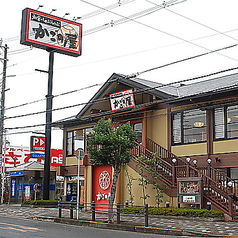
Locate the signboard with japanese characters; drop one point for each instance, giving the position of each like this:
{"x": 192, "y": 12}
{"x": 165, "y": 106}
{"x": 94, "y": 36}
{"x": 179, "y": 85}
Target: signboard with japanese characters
{"x": 16, "y": 155}
{"x": 122, "y": 100}
{"x": 190, "y": 190}
{"x": 13, "y": 188}
{"x": 102, "y": 182}
{"x": 49, "y": 32}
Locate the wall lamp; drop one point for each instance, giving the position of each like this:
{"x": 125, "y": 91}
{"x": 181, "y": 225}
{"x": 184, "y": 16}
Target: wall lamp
{"x": 195, "y": 162}
{"x": 188, "y": 160}
{"x": 217, "y": 160}
{"x": 230, "y": 184}
{"x": 209, "y": 161}
{"x": 174, "y": 160}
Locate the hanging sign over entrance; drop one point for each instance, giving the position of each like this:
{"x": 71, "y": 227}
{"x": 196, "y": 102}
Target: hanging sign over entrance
{"x": 46, "y": 31}
{"x": 122, "y": 100}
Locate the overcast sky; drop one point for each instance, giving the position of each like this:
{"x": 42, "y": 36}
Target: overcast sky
{"x": 152, "y": 39}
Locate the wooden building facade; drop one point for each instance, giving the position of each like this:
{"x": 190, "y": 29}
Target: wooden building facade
{"x": 191, "y": 127}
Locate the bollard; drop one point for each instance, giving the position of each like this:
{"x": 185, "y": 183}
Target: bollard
{"x": 146, "y": 216}
{"x": 60, "y": 212}
{"x": 118, "y": 213}
{"x": 93, "y": 211}
{"x": 71, "y": 211}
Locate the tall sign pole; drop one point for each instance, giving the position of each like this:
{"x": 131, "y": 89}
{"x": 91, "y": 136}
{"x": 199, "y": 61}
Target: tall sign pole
{"x": 54, "y": 34}
{"x": 49, "y": 103}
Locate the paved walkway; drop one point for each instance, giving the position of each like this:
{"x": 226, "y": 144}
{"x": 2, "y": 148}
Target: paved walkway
{"x": 203, "y": 227}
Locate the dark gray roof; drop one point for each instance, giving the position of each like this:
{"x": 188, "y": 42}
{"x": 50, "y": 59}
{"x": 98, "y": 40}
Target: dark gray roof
{"x": 169, "y": 92}
{"x": 185, "y": 90}
{"x": 33, "y": 165}
{"x": 211, "y": 85}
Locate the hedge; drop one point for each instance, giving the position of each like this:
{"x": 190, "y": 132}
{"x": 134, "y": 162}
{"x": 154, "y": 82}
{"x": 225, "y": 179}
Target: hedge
{"x": 41, "y": 202}
{"x": 174, "y": 211}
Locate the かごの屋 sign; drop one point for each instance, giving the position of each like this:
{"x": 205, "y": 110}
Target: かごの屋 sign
{"x": 122, "y": 100}
{"x": 46, "y": 31}
{"x": 102, "y": 183}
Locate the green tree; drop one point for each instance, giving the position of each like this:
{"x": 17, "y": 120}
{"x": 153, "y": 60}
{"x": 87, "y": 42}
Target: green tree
{"x": 111, "y": 146}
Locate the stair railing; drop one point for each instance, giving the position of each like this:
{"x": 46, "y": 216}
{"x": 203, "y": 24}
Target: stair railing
{"x": 211, "y": 172}
{"x": 216, "y": 187}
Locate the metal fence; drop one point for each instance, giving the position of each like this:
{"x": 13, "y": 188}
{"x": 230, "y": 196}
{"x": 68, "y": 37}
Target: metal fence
{"x": 97, "y": 212}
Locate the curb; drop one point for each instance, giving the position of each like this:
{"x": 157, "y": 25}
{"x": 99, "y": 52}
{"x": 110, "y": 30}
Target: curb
{"x": 125, "y": 227}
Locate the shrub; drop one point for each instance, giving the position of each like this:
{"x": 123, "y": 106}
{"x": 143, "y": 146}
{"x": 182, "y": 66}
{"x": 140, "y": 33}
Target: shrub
{"x": 174, "y": 211}
{"x": 41, "y": 202}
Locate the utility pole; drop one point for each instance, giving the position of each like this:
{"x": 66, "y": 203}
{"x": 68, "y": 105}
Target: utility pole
{"x": 4, "y": 60}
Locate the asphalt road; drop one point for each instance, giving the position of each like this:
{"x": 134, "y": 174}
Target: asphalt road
{"x": 25, "y": 228}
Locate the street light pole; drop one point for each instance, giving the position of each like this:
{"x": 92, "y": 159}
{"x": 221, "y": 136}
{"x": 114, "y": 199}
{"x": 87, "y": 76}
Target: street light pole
{"x": 79, "y": 155}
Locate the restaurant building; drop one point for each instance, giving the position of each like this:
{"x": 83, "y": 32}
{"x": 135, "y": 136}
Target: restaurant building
{"x": 191, "y": 128}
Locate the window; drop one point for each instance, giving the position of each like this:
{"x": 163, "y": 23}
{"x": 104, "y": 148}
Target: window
{"x": 138, "y": 129}
{"x": 69, "y": 143}
{"x": 75, "y": 140}
{"x": 189, "y": 126}
{"x": 226, "y": 122}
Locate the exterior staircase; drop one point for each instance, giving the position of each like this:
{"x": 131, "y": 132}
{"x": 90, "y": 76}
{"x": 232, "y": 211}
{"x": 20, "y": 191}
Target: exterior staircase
{"x": 218, "y": 189}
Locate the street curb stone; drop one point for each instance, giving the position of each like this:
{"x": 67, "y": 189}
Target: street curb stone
{"x": 125, "y": 227}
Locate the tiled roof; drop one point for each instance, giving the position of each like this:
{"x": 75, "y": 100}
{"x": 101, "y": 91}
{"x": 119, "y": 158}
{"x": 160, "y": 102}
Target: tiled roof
{"x": 222, "y": 83}
{"x": 168, "y": 92}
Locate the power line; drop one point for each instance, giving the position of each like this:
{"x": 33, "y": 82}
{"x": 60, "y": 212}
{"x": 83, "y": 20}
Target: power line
{"x": 137, "y": 92}
{"x": 186, "y": 59}
{"x": 62, "y": 94}
{"x": 132, "y": 17}
{"x": 133, "y": 113}
{"x": 201, "y": 24}
{"x": 86, "y": 16}
{"x": 134, "y": 75}
{"x": 120, "y": 21}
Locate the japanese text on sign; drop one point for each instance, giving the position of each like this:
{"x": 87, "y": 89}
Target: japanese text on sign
{"x": 46, "y": 31}
{"x": 122, "y": 100}
{"x": 103, "y": 196}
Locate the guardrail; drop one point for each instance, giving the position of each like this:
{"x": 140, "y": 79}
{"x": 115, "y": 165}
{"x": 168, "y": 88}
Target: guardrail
{"x": 95, "y": 209}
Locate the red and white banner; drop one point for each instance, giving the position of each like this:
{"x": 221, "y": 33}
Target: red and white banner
{"x": 46, "y": 31}
{"x": 16, "y": 155}
{"x": 122, "y": 100}
{"x": 102, "y": 183}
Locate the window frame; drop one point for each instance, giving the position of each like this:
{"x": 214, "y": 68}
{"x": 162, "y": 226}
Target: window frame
{"x": 72, "y": 143}
{"x": 182, "y": 127}
{"x": 225, "y": 125}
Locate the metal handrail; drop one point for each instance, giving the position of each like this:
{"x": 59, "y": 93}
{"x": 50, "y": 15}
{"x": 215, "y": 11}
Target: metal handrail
{"x": 220, "y": 193}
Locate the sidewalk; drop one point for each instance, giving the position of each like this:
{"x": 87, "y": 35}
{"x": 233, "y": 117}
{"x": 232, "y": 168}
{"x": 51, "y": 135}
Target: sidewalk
{"x": 159, "y": 225}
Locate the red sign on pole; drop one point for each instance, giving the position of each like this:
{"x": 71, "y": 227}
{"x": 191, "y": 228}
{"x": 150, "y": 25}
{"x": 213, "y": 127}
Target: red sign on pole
{"x": 38, "y": 143}
{"x": 47, "y": 31}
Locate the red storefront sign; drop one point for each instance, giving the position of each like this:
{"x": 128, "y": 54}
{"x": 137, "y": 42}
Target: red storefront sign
{"x": 102, "y": 183}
